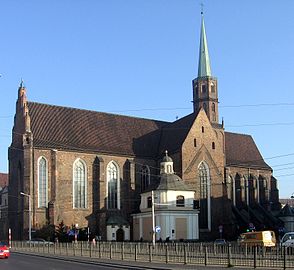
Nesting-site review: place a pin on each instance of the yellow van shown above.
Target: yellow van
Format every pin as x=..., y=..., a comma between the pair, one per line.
x=262, y=238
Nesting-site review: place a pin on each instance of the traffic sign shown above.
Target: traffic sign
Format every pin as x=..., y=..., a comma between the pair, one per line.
x=157, y=229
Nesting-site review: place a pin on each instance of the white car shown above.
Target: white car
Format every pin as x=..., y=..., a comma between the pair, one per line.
x=288, y=240
x=39, y=241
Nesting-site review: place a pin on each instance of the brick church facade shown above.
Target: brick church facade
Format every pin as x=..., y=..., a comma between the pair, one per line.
x=89, y=168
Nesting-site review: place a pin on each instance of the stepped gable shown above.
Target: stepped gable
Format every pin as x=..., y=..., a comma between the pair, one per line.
x=82, y=130
x=241, y=151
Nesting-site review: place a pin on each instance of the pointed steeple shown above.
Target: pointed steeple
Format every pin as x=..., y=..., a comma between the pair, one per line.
x=204, y=63
x=205, y=92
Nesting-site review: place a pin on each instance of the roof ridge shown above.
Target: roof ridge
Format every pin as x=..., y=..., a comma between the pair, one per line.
x=100, y=112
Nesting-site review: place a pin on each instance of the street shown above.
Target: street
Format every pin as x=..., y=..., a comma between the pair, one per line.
x=32, y=262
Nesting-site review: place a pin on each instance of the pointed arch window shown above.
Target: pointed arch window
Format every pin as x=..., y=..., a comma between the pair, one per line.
x=213, y=107
x=113, y=187
x=145, y=177
x=205, y=107
x=42, y=182
x=149, y=202
x=180, y=201
x=79, y=184
x=205, y=212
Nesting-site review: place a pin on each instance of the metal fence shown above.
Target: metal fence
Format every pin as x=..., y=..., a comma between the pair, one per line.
x=178, y=253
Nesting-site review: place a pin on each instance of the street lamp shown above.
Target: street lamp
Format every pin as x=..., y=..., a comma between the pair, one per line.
x=30, y=213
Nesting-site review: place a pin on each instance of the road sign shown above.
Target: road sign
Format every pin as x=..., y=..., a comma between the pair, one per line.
x=220, y=228
x=157, y=229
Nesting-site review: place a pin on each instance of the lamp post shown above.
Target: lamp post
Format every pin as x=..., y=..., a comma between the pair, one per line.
x=30, y=213
x=153, y=218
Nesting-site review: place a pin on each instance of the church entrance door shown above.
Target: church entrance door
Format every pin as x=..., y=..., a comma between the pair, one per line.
x=120, y=235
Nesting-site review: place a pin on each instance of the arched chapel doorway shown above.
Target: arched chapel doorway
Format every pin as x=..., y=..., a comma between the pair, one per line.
x=120, y=235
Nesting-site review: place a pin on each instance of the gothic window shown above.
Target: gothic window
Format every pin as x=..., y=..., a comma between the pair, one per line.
x=149, y=202
x=203, y=172
x=202, y=129
x=205, y=107
x=180, y=201
x=79, y=184
x=212, y=88
x=42, y=182
x=203, y=88
x=213, y=107
x=145, y=177
x=195, y=143
x=213, y=145
x=113, y=188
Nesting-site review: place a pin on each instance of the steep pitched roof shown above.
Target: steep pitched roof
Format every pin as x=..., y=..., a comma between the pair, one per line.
x=241, y=150
x=83, y=130
x=3, y=180
x=174, y=134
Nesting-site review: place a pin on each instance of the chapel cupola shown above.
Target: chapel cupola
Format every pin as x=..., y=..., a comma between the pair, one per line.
x=205, y=94
x=167, y=165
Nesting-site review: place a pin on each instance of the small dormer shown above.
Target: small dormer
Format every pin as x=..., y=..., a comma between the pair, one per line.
x=167, y=165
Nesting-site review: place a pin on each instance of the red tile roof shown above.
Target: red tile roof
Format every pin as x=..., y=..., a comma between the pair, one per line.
x=3, y=179
x=241, y=150
x=83, y=130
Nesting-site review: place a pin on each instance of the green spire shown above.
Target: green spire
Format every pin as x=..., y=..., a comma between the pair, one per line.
x=204, y=63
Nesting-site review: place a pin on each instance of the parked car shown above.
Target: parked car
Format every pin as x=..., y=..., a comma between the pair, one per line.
x=4, y=250
x=288, y=240
x=220, y=242
x=39, y=241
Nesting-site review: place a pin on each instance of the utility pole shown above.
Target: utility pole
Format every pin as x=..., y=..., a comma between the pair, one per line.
x=153, y=218
x=247, y=194
x=30, y=214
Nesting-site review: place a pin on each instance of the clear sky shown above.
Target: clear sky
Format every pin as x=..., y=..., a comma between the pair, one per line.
x=138, y=58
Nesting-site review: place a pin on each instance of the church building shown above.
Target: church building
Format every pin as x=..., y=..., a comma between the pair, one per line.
x=92, y=168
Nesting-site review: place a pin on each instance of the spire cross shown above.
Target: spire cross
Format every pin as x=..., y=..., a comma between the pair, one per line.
x=202, y=5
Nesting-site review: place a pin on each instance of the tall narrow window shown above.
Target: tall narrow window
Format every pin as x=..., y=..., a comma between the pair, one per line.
x=113, y=188
x=79, y=184
x=212, y=88
x=203, y=88
x=213, y=145
x=145, y=177
x=195, y=143
x=205, y=107
x=204, y=195
x=213, y=107
x=149, y=202
x=180, y=201
x=42, y=183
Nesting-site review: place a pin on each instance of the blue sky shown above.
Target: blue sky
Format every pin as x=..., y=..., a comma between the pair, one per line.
x=138, y=58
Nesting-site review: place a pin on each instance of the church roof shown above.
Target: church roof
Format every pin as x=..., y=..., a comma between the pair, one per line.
x=241, y=150
x=286, y=211
x=3, y=180
x=172, y=182
x=174, y=134
x=83, y=130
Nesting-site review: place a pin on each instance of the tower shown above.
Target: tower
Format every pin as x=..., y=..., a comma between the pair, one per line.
x=205, y=94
